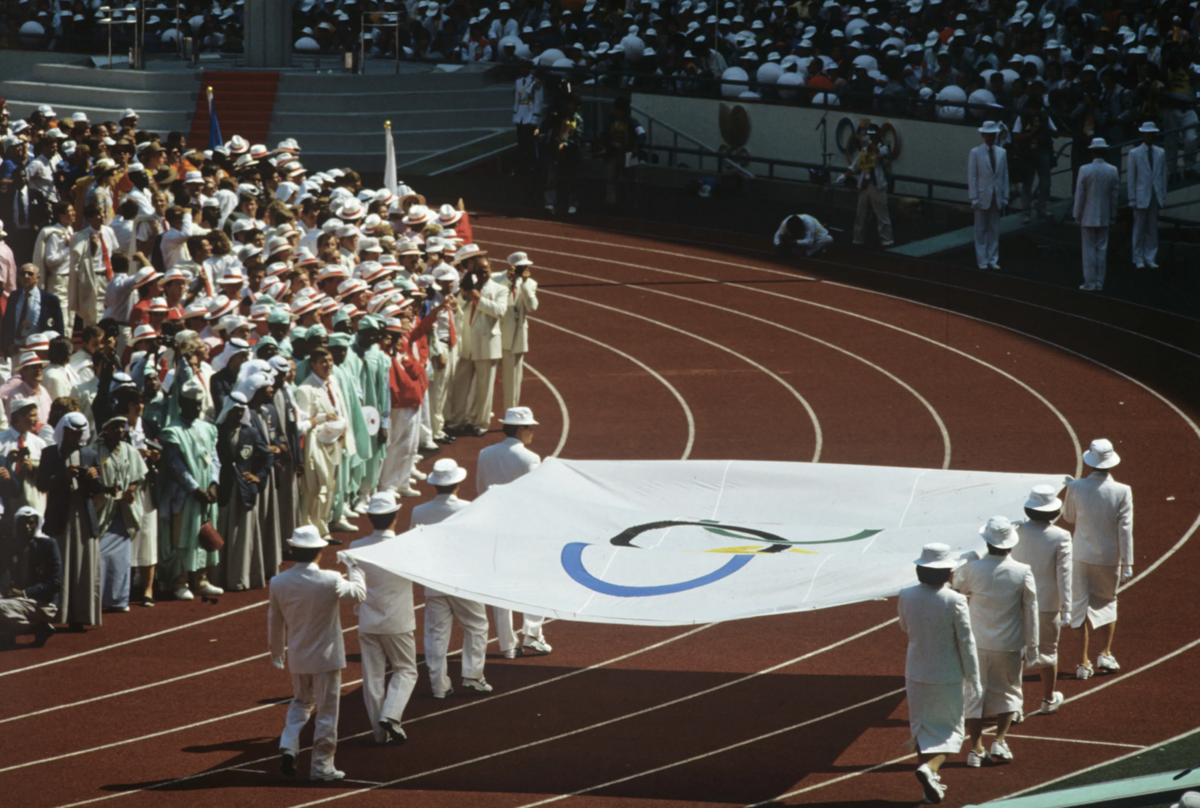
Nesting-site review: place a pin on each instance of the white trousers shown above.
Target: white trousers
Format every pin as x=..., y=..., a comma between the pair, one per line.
x=1095, y=254
x=987, y=236
x=319, y=691
x=471, y=399
x=814, y=245
x=873, y=198
x=512, y=370
x=387, y=701
x=440, y=613
x=439, y=393
x=404, y=438
x=1145, y=234
x=531, y=628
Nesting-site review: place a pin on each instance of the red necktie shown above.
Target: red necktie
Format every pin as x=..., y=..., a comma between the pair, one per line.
x=332, y=400
x=108, y=270
x=474, y=306
x=453, y=337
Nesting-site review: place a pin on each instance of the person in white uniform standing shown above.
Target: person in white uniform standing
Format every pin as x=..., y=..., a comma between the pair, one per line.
x=442, y=609
x=483, y=307
x=1096, y=193
x=386, y=625
x=1004, y=619
x=1102, y=511
x=987, y=187
x=941, y=666
x=499, y=464
x=514, y=327
x=1047, y=550
x=1146, y=179
x=304, y=618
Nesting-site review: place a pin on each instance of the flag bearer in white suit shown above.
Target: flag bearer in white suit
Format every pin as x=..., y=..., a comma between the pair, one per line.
x=386, y=623
x=1096, y=193
x=442, y=609
x=484, y=305
x=987, y=186
x=1146, y=179
x=514, y=328
x=321, y=399
x=941, y=668
x=304, y=617
x=1004, y=619
x=499, y=464
x=1102, y=510
x=1047, y=550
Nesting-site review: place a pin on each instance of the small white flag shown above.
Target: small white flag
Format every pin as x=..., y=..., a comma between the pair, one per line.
x=389, y=166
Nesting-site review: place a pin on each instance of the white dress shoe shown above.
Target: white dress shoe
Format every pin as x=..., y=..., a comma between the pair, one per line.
x=1000, y=751
x=329, y=776
x=208, y=590
x=974, y=760
x=537, y=645
x=1151, y=265
x=360, y=507
x=420, y=475
x=932, y=784
x=1108, y=662
x=478, y=685
x=1051, y=705
x=183, y=593
x=409, y=492
x=1083, y=672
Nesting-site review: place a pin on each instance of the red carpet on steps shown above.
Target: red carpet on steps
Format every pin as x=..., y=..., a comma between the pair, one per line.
x=244, y=102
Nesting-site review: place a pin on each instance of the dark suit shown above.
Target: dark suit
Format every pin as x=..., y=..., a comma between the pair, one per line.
x=36, y=569
x=50, y=317
x=221, y=385
x=242, y=448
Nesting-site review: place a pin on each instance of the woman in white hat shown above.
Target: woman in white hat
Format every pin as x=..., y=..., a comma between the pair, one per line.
x=1004, y=619
x=1102, y=511
x=941, y=660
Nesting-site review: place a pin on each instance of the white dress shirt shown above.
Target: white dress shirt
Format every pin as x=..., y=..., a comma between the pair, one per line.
x=388, y=606
x=303, y=615
x=1102, y=510
x=502, y=463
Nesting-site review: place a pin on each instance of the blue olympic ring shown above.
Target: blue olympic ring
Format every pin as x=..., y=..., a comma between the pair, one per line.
x=572, y=562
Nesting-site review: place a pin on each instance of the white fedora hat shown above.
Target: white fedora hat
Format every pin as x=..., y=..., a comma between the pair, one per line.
x=519, y=259
x=1148, y=126
x=1098, y=143
x=937, y=556
x=519, y=416
x=1043, y=498
x=468, y=251
x=307, y=537
x=382, y=503
x=999, y=532
x=1101, y=454
x=446, y=472
x=990, y=128
x=331, y=431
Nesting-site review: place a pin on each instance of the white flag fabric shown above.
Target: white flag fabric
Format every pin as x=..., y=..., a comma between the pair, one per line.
x=682, y=542
x=389, y=165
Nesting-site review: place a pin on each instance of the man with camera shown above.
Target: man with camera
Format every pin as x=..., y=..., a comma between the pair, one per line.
x=870, y=176
x=484, y=305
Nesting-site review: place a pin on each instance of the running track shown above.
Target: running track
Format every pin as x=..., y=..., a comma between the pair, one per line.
x=691, y=345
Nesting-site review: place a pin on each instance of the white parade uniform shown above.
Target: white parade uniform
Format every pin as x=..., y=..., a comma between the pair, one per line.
x=514, y=336
x=1146, y=179
x=1102, y=511
x=386, y=626
x=1004, y=620
x=1095, y=210
x=499, y=464
x=321, y=460
x=89, y=274
x=303, y=615
x=441, y=610
x=475, y=378
x=987, y=187
x=1046, y=548
x=527, y=105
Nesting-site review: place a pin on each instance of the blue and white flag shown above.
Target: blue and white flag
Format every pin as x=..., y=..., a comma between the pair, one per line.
x=214, y=128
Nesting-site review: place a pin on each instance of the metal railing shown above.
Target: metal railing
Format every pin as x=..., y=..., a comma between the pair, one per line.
x=676, y=134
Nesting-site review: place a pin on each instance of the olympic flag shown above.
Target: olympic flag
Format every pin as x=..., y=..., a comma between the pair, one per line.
x=682, y=542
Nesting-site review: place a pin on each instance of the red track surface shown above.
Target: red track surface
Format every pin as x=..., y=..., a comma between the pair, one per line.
x=653, y=358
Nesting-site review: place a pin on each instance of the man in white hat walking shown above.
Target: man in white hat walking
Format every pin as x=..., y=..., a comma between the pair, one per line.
x=1146, y=179
x=987, y=186
x=442, y=609
x=1096, y=193
x=303, y=616
x=514, y=327
x=1004, y=619
x=941, y=666
x=1047, y=550
x=499, y=464
x=330, y=441
x=386, y=626
x=1102, y=511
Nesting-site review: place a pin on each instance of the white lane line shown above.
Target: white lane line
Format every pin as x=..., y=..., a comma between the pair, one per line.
x=1062, y=419
x=1076, y=740
x=562, y=406
x=812, y=415
x=937, y=419
x=617, y=719
x=687, y=411
x=465, y=705
x=347, y=780
x=135, y=639
x=835, y=780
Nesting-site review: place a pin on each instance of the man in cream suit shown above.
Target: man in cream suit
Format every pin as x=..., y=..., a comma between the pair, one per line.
x=1102, y=510
x=484, y=305
x=386, y=624
x=90, y=268
x=514, y=328
x=987, y=186
x=1146, y=179
x=499, y=464
x=321, y=398
x=304, y=618
x=442, y=609
x=1095, y=210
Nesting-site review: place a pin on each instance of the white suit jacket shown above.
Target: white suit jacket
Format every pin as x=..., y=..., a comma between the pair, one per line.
x=303, y=615
x=312, y=397
x=1143, y=182
x=941, y=646
x=1096, y=194
x=1102, y=510
x=1046, y=548
x=983, y=185
x=502, y=463
x=388, y=606
x=514, y=328
x=438, y=509
x=1003, y=600
x=87, y=281
x=482, y=331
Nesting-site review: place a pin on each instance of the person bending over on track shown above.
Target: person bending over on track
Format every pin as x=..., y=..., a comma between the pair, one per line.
x=801, y=230
x=941, y=658
x=30, y=581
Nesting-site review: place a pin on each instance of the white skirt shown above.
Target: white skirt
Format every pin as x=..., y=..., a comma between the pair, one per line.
x=1093, y=594
x=1048, y=631
x=1000, y=673
x=935, y=717
x=144, y=550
